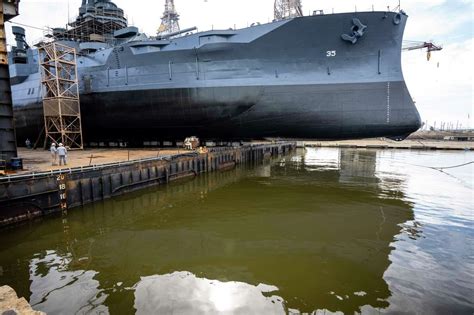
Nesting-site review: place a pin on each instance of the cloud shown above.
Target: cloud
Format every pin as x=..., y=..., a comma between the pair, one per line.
x=439, y=23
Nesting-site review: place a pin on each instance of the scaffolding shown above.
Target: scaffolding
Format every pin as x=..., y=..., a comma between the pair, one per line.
x=97, y=21
x=99, y=25
x=61, y=105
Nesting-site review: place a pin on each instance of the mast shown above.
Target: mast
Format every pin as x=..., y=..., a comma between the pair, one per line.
x=285, y=9
x=170, y=19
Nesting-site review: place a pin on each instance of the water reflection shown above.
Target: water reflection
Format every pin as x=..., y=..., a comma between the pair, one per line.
x=51, y=283
x=184, y=293
x=319, y=228
x=320, y=159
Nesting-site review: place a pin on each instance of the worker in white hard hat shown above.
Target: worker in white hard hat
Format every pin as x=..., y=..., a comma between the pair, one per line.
x=62, y=152
x=54, y=154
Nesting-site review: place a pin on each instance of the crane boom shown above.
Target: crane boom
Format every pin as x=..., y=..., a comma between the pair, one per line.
x=430, y=47
x=408, y=45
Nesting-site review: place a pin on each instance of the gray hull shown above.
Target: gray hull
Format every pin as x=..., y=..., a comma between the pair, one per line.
x=294, y=78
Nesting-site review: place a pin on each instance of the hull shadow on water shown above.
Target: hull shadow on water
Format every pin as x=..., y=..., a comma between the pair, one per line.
x=304, y=232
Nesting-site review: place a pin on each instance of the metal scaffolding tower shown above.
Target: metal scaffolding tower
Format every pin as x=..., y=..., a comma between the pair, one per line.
x=170, y=19
x=285, y=9
x=61, y=106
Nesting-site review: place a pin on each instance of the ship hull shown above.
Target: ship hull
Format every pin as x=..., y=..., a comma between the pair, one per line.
x=292, y=79
x=341, y=111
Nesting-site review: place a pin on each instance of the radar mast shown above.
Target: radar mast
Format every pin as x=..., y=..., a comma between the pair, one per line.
x=285, y=9
x=170, y=19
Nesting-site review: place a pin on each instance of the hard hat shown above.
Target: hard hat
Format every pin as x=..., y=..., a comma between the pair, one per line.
x=53, y=144
x=60, y=144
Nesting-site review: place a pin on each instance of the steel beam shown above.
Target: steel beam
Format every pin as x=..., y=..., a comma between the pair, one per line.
x=8, y=147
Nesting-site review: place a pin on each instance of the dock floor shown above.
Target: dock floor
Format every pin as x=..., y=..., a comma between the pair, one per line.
x=40, y=160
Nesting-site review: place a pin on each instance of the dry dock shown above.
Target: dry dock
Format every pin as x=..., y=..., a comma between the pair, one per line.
x=45, y=189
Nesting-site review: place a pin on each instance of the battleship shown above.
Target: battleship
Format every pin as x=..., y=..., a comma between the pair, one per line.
x=322, y=76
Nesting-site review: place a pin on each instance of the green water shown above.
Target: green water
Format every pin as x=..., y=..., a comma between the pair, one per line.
x=323, y=229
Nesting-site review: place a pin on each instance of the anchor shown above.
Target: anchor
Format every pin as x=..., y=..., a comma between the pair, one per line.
x=358, y=30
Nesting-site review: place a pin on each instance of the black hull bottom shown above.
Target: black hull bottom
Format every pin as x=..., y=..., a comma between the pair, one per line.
x=332, y=111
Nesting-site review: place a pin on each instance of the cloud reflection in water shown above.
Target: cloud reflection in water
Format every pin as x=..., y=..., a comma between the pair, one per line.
x=53, y=286
x=184, y=293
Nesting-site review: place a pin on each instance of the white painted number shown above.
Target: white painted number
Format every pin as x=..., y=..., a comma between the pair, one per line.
x=331, y=53
x=62, y=186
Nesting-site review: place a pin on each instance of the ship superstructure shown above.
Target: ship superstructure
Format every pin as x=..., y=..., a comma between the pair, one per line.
x=323, y=76
x=96, y=22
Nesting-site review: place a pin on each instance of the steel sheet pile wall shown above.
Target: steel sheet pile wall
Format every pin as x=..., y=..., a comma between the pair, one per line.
x=26, y=197
x=8, y=148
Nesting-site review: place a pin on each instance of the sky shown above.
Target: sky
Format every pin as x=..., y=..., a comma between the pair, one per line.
x=442, y=87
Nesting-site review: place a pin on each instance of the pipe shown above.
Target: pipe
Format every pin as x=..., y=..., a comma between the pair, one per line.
x=165, y=36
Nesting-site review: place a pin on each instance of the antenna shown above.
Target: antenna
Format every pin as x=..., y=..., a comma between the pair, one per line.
x=399, y=7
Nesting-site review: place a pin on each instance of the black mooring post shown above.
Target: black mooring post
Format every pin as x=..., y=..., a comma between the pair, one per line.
x=8, y=147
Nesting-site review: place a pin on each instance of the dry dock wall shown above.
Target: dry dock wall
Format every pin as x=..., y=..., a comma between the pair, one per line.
x=8, y=148
x=29, y=196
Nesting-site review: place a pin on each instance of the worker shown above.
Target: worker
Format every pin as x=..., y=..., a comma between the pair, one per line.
x=62, y=152
x=54, y=154
x=187, y=144
x=28, y=143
